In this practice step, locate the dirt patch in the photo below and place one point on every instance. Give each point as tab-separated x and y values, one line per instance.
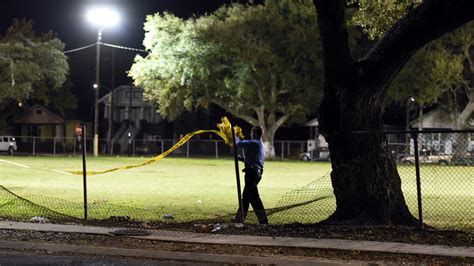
373	233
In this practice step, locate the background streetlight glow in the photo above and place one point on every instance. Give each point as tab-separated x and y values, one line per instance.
103	16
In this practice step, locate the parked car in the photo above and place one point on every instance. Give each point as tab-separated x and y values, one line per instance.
442	159
142	149
8	144
319	154
466	160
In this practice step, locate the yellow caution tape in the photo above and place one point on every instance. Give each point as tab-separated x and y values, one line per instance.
224	132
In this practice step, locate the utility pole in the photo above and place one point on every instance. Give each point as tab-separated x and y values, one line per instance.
97	83
111	105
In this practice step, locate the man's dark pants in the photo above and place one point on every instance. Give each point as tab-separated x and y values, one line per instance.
250	196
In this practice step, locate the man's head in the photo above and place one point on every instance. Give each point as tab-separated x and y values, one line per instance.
256	132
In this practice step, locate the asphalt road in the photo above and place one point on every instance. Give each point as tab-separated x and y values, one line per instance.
33	258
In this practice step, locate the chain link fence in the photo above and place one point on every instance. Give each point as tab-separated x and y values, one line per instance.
436	170
437	174
58	146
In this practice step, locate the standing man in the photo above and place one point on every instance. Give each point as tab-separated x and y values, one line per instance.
254	158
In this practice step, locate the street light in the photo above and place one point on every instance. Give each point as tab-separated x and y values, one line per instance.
101	17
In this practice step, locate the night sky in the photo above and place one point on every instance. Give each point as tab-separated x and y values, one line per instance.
67	19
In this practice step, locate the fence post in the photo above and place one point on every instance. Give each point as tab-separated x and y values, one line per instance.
187	149
237	175
162	146
111	148
84	170
418	178
282	150
217	150
34	146
133	147
64	146
54	146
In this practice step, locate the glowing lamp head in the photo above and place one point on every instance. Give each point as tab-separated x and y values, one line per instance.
103	17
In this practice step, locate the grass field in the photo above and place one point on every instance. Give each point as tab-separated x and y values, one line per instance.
206	188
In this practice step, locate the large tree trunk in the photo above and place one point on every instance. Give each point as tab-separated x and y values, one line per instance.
364	177
268	141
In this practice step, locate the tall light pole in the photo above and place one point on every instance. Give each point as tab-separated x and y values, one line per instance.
407	122
101	17
97	82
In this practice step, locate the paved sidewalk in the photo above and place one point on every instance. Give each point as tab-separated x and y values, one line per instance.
189	237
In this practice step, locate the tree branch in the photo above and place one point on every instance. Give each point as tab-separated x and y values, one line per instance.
12	75
247	118
425	23
280	122
338	62
465	115
261	116
334	38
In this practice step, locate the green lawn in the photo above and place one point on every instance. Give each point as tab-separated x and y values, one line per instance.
205	188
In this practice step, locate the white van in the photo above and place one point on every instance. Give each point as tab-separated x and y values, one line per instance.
8	144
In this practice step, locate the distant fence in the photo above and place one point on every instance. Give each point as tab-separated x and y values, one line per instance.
58	146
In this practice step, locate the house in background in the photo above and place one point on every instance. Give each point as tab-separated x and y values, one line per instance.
129	117
133	119
315	140
439	119
37	121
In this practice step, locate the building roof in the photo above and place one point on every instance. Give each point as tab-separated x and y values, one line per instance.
439	118
38	115
312	123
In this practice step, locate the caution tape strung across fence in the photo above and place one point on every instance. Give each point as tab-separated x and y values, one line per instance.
224	132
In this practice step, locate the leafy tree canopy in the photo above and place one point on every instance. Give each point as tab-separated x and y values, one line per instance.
33	67
440	70
259	62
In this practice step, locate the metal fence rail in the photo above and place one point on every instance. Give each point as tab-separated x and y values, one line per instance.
58	146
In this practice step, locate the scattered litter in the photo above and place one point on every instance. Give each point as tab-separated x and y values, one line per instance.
209	228
199	201
218	227
169	216
100	201
39	219
203	228
119	218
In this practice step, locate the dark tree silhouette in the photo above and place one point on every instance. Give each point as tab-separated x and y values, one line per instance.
364	176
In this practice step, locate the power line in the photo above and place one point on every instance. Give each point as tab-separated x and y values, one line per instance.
105	44
80	48
124	48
